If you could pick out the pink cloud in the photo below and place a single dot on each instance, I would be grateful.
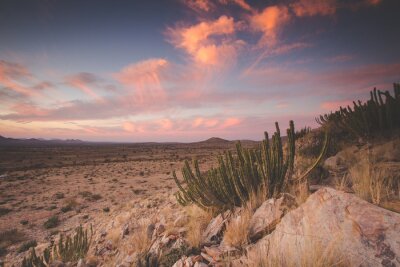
(199, 5)
(10, 73)
(200, 42)
(335, 105)
(270, 22)
(84, 82)
(145, 79)
(229, 122)
(304, 8)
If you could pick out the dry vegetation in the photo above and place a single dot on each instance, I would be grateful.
(50, 189)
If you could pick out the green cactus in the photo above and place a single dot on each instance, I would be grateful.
(265, 169)
(378, 116)
(70, 250)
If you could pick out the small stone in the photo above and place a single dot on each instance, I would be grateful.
(125, 230)
(57, 263)
(81, 263)
(200, 264)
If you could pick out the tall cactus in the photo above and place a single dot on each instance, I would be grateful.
(378, 116)
(266, 169)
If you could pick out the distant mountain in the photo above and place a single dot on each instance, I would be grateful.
(34, 141)
(216, 140)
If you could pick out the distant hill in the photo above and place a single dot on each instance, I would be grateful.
(215, 140)
(34, 141)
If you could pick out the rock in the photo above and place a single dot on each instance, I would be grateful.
(125, 230)
(207, 257)
(357, 231)
(213, 252)
(331, 162)
(269, 214)
(213, 233)
(200, 264)
(57, 263)
(184, 262)
(81, 263)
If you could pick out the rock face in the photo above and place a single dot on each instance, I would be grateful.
(361, 233)
(213, 232)
(269, 214)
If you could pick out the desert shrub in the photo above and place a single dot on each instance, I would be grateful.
(27, 245)
(68, 249)
(66, 208)
(303, 132)
(237, 178)
(24, 222)
(8, 238)
(52, 222)
(378, 116)
(172, 256)
(106, 209)
(4, 211)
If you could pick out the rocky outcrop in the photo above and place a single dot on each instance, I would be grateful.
(351, 228)
(213, 233)
(269, 214)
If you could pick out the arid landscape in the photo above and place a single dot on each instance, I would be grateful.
(199, 133)
(85, 183)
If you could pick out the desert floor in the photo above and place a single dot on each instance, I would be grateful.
(83, 184)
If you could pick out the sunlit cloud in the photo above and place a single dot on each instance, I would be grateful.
(270, 21)
(304, 8)
(208, 42)
(145, 79)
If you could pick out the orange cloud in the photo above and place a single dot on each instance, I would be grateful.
(304, 8)
(145, 78)
(269, 22)
(199, 5)
(199, 42)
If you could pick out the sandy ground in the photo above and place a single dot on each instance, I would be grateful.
(81, 192)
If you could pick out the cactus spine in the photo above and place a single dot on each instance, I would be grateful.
(265, 169)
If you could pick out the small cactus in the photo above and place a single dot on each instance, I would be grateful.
(70, 250)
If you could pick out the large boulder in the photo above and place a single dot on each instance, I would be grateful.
(269, 214)
(333, 224)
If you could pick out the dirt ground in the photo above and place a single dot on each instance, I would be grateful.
(85, 184)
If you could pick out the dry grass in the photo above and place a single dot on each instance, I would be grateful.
(237, 230)
(313, 253)
(139, 240)
(370, 182)
(198, 221)
(343, 183)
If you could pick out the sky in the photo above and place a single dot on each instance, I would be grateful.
(188, 70)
